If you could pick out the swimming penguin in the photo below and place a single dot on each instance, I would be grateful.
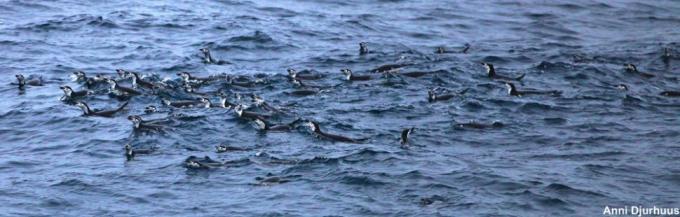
(433, 97)
(207, 58)
(440, 50)
(475, 125)
(131, 153)
(69, 94)
(137, 80)
(622, 87)
(272, 180)
(351, 77)
(32, 81)
(81, 77)
(193, 162)
(666, 57)
(404, 136)
(363, 48)
(491, 73)
(103, 113)
(259, 102)
(150, 109)
(120, 90)
(389, 67)
(294, 75)
(200, 102)
(224, 102)
(264, 126)
(466, 48)
(226, 148)
(190, 79)
(670, 93)
(633, 69)
(139, 124)
(514, 92)
(240, 111)
(318, 133)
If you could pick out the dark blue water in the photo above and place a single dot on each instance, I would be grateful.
(572, 155)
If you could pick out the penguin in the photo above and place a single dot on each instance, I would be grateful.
(131, 153)
(466, 48)
(405, 134)
(263, 125)
(670, 93)
(514, 92)
(140, 124)
(666, 57)
(475, 125)
(433, 97)
(363, 48)
(32, 81)
(200, 102)
(137, 80)
(389, 67)
(190, 79)
(633, 69)
(207, 58)
(320, 134)
(205, 163)
(70, 94)
(121, 90)
(227, 148)
(491, 73)
(352, 77)
(150, 109)
(240, 111)
(103, 113)
(294, 75)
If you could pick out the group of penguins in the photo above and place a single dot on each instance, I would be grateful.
(184, 93)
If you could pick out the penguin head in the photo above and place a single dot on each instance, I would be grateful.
(136, 120)
(150, 109)
(347, 73)
(122, 73)
(313, 126)
(511, 88)
(630, 67)
(204, 50)
(184, 75)
(431, 95)
(489, 69)
(261, 125)
(20, 78)
(239, 109)
(292, 73)
(67, 90)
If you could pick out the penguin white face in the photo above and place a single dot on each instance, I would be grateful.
(431, 96)
(260, 124)
(630, 67)
(78, 75)
(122, 73)
(136, 120)
(193, 164)
(312, 126)
(347, 72)
(67, 90)
(292, 73)
(239, 110)
(204, 50)
(510, 87)
(184, 75)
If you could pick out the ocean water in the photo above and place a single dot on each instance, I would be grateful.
(569, 155)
